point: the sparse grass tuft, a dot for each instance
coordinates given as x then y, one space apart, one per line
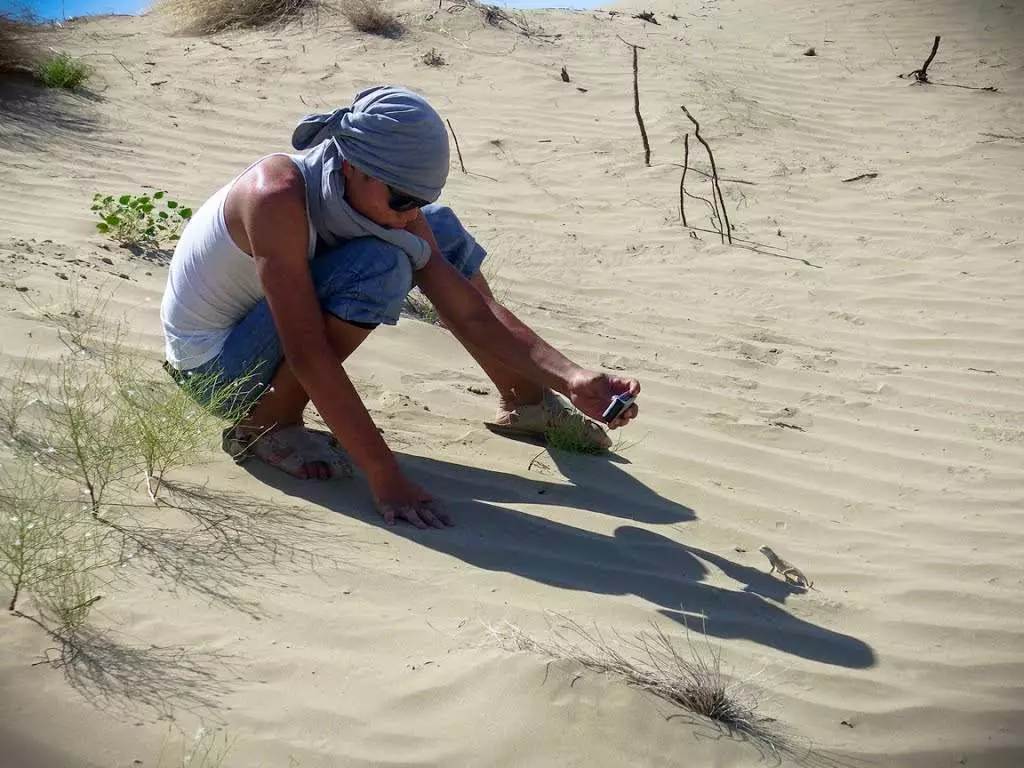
650 661
60 70
433 58
79 318
207 17
571 434
209 749
371 17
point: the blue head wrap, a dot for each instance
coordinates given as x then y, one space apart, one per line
390 133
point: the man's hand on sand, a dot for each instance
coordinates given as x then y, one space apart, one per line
398 498
592 392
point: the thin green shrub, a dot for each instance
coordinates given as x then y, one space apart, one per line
85 434
17 395
164 425
47 547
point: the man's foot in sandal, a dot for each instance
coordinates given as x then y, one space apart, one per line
537 420
302 453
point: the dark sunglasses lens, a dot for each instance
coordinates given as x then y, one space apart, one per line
401 202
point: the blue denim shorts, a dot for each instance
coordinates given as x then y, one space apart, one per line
364 281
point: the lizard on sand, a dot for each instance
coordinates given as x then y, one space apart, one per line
789 572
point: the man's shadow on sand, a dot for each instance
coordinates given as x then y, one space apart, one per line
632 560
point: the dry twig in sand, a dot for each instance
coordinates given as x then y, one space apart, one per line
206 17
682 179
921 75
636 102
457 148
725 228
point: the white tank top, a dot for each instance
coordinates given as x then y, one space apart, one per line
211 285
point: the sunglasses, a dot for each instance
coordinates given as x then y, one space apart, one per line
400 201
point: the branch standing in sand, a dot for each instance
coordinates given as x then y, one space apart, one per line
287 269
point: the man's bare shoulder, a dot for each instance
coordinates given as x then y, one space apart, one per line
272 189
272 176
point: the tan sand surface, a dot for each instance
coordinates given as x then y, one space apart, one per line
849 392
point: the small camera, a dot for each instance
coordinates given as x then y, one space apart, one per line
617 406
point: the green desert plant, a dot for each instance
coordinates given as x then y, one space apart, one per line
59 70
140 219
371 17
206 17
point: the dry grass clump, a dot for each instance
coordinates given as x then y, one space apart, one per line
207 17
371 17
433 58
650 661
18 54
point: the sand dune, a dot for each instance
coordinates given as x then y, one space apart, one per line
844 384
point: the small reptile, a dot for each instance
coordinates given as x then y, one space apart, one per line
789 572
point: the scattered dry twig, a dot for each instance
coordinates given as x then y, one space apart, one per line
647 16
726 228
457 149
869 175
636 102
921 75
682 179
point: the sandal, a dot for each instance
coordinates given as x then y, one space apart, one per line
534 422
290 449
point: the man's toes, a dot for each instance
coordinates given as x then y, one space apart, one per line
317 470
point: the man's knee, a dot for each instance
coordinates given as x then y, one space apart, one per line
458 245
364 281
